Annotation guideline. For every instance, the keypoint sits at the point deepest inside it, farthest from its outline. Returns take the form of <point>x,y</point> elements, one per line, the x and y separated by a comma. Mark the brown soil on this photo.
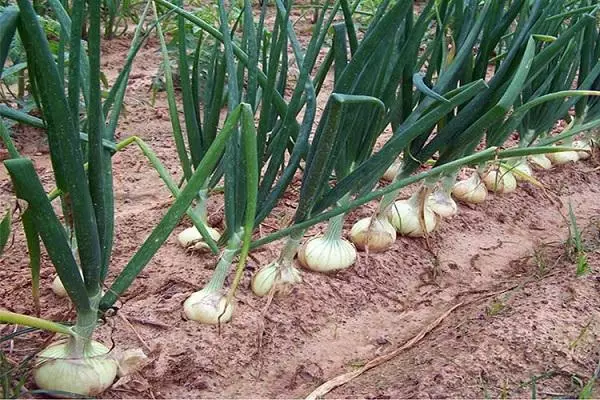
<point>544,323</point>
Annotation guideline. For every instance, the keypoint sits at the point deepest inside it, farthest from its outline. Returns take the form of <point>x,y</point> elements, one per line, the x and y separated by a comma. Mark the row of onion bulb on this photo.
<point>416,216</point>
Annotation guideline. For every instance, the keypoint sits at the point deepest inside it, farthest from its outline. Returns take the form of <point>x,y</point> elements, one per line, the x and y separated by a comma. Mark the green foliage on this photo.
<point>4,230</point>
<point>13,377</point>
<point>575,245</point>
<point>587,392</point>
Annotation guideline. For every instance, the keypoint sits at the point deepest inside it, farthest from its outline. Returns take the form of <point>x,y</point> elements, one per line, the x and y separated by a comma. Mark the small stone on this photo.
<point>382,341</point>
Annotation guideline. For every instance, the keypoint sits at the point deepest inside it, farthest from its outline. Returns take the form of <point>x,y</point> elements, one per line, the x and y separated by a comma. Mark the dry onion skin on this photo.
<point>132,361</point>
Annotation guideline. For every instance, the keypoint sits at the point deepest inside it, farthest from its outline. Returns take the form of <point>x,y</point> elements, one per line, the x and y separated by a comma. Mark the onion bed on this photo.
<point>411,104</point>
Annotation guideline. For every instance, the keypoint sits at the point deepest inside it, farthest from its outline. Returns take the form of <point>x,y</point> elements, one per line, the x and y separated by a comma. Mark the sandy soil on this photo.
<point>525,313</point>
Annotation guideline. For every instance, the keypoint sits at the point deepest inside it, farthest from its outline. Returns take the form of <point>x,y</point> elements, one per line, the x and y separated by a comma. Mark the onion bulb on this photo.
<point>283,277</point>
<point>441,203</point>
<point>58,288</point>
<point>594,136</point>
<point>540,161</point>
<point>391,173</point>
<point>60,369</point>
<point>523,171</point>
<point>323,254</point>
<point>208,307</point>
<point>377,234</point>
<point>404,216</point>
<point>563,157</point>
<point>499,180</point>
<point>585,147</point>
<point>470,190</point>
<point>191,238</point>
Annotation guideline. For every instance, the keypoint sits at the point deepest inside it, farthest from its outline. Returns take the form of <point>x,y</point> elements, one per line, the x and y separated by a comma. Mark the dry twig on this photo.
<point>347,377</point>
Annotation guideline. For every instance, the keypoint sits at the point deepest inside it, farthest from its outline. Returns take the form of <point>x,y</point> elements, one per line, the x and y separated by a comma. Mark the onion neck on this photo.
<point>475,179</point>
<point>448,181</point>
<point>527,138</point>
<point>222,270</point>
<point>388,199</point>
<point>431,182</point>
<point>286,258</point>
<point>84,327</point>
<point>335,226</point>
<point>200,209</point>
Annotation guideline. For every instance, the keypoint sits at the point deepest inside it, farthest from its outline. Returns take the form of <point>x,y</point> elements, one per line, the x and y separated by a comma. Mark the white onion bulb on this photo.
<point>523,171</point>
<point>264,279</point>
<point>58,288</point>
<point>441,203</point>
<point>326,255</point>
<point>191,238</point>
<point>470,190</point>
<point>59,370</point>
<point>206,306</point>
<point>377,236</point>
<point>585,147</point>
<point>563,157</point>
<point>540,161</point>
<point>275,274</point>
<point>404,216</point>
<point>499,180</point>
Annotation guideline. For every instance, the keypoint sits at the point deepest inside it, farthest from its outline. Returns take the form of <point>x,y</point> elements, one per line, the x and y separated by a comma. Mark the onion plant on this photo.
<point>77,363</point>
<point>459,135</point>
<point>237,66</point>
<point>363,123</point>
<point>90,203</point>
<point>547,97</point>
<point>346,133</point>
<point>408,109</point>
<point>389,84</point>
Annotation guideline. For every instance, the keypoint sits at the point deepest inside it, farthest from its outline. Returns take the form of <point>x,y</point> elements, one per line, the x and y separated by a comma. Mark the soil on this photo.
<point>525,315</point>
